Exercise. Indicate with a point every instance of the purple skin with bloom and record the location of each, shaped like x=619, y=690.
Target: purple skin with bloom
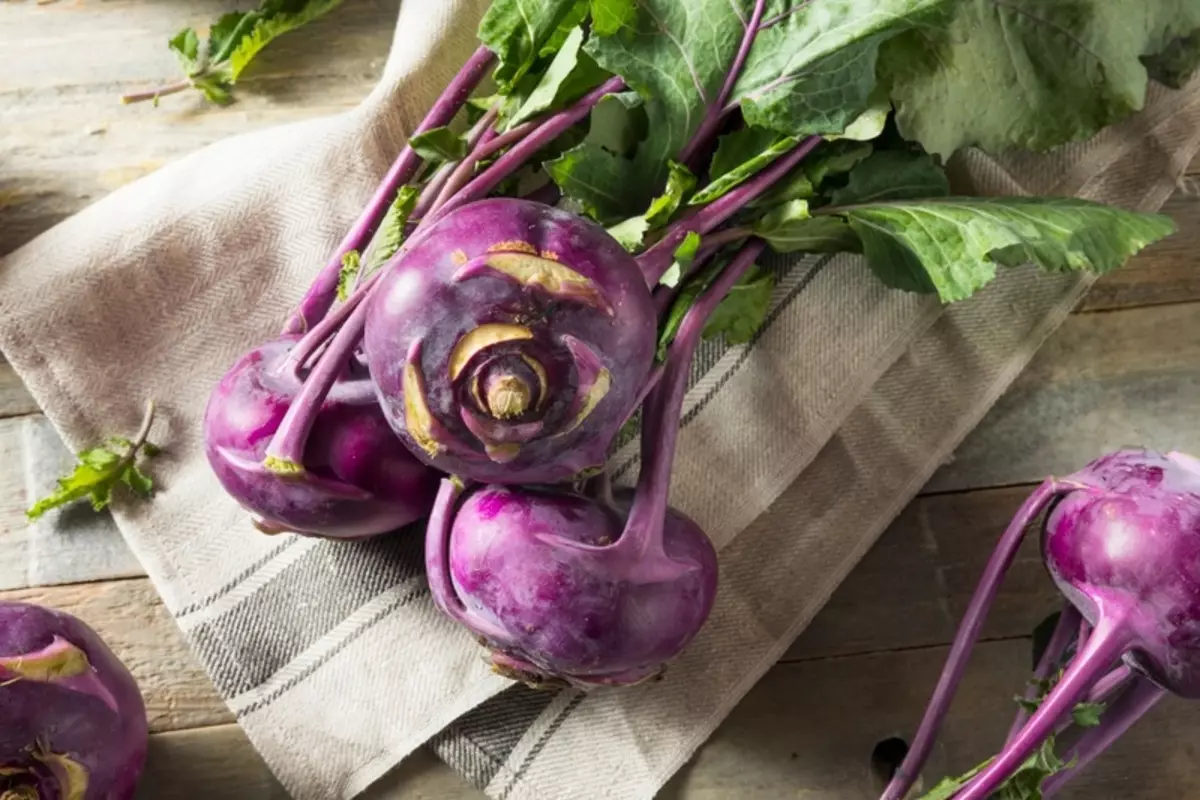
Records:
x=74, y=724
x=357, y=481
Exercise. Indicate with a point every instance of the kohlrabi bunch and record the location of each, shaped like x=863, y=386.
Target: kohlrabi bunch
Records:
x=74, y=724
x=534, y=273
x=1121, y=540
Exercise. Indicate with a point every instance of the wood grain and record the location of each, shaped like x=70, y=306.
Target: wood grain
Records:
x=129, y=616
x=1102, y=382
x=15, y=399
x=1165, y=272
x=67, y=142
x=805, y=730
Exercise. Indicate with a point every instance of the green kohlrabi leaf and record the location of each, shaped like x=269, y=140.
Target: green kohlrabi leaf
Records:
x=893, y=175
x=439, y=144
x=570, y=75
x=518, y=30
x=609, y=16
x=234, y=39
x=740, y=155
x=829, y=159
x=813, y=66
x=348, y=275
x=391, y=230
x=632, y=232
x=1177, y=61
x=593, y=176
x=100, y=469
x=952, y=246
x=684, y=255
x=186, y=47
x=789, y=228
x=1028, y=73
x=742, y=312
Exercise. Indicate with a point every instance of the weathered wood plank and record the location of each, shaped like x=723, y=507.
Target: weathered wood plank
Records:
x=913, y=586
x=67, y=545
x=806, y=730
x=1165, y=272
x=1103, y=381
x=67, y=140
x=14, y=397
x=129, y=616
x=206, y=762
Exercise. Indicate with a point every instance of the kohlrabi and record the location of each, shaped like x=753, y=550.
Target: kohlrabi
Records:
x=510, y=342
x=1121, y=540
x=356, y=479
x=585, y=590
x=72, y=721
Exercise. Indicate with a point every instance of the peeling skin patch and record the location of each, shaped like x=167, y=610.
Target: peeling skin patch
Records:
x=553, y=277
x=503, y=453
x=513, y=246
x=591, y=399
x=550, y=255
x=459, y=257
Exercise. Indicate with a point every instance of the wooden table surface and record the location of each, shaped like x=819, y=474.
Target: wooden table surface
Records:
x=1124, y=369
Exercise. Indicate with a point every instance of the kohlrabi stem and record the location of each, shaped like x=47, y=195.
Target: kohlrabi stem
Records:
x=546, y=194
x=321, y=294
x=437, y=561
x=664, y=295
x=516, y=157
x=1110, y=638
x=712, y=118
x=1085, y=630
x=154, y=94
x=481, y=132
x=316, y=336
x=1060, y=639
x=658, y=258
x=285, y=453
x=643, y=535
x=1110, y=683
x=968, y=631
x=1117, y=718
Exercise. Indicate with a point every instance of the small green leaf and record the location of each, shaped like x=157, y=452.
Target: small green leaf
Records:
x=216, y=90
x=684, y=254
x=680, y=181
x=893, y=175
x=1087, y=715
x=138, y=481
x=439, y=144
x=227, y=32
x=739, y=156
x=391, y=230
x=517, y=30
x=610, y=16
x=630, y=233
x=790, y=228
x=96, y=472
x=1174, y=66
x=279, y=17
x=186, y=46
x=742, y=312
x=150, y=450
x=571, y=75
x=348, y=275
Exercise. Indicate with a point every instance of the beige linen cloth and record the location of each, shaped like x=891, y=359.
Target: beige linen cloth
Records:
x=797, y=450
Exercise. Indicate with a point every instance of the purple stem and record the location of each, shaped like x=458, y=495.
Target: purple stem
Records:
x=1131, y=706
x=321, y=294
x=520, y=153
x=546, y=194
x=642, y=537
x=481, y=132
x=1060, y=639
x=1106, y=644
x=658, y=258
x=1110, y=683
x=712, y=117
x=437, y=562
x=328, y=326
x=1085, y=630
x=285, y=453
x=964, y=640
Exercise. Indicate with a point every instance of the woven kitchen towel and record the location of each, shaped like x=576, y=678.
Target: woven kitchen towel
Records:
x=332, y=654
